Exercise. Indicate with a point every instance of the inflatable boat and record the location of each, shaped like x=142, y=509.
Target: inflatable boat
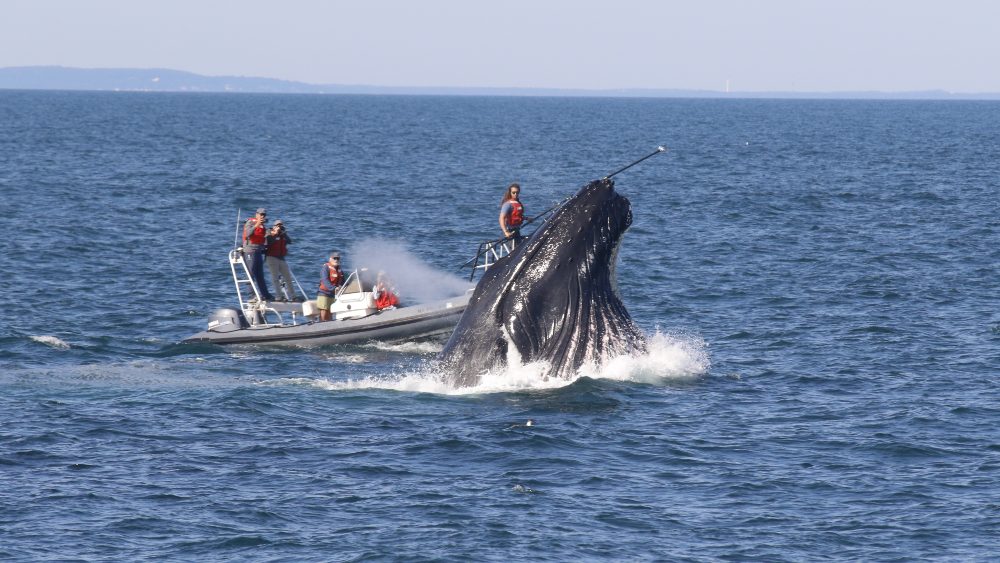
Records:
x=355, y=316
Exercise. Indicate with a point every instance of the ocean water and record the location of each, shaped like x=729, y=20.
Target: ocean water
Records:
x=818, y=280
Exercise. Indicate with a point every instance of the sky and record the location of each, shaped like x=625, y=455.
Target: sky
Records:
x=753, y=45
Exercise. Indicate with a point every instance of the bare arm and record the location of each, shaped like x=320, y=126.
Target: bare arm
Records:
x=503, y=220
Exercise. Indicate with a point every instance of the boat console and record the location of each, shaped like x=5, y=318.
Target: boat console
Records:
x=355, y=299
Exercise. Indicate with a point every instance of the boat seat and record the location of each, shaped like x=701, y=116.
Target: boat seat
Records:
x=309, y=308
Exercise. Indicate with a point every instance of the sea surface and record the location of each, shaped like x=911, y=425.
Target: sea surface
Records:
x=818, y=281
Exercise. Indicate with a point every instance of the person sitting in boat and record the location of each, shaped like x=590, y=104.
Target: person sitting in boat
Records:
x=254, y=242
x=277, y=248
x=512, y=213
x=331, y=277
x=385, y=294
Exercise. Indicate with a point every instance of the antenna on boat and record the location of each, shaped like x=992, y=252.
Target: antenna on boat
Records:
x=658, y=150
x=236, y=239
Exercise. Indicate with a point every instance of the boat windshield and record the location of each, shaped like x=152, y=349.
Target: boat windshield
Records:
x=358, y=281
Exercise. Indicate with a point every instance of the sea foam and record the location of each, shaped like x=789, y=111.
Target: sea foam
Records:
x=425, y=347
x=52, y=341
x=668, y=358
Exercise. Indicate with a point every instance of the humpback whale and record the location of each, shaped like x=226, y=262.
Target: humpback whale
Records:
x=553, y=298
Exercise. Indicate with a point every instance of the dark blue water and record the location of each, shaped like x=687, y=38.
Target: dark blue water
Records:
x=818, y=278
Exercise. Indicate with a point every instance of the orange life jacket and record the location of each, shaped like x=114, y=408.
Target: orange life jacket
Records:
x=257, y=236
x=516, y=213
x=278, y=247
x=335, y=277
x=386, y=299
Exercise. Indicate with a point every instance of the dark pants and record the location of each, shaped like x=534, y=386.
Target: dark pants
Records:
x=516, y=236
x=255, y=257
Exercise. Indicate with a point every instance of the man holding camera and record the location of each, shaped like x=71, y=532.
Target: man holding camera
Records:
x=254, y=241
x=277, y=248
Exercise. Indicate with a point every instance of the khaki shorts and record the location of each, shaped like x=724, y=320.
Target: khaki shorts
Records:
x=323, y=302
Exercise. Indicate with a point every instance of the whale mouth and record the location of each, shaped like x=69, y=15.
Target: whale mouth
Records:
x=615, y=218
x=613, y=268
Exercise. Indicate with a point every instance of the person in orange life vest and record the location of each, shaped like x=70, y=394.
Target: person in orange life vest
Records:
x=277, y=248
x=385, y=295
x=512, y=213
x=331, y=277
x=254, y=242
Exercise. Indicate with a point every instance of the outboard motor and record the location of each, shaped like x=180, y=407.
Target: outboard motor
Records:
x=226, y=320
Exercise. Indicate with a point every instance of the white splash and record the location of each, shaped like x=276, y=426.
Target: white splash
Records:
x=668, y=358
x=52, y=341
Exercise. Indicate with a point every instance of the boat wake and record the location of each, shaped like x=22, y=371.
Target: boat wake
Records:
x=669, y=358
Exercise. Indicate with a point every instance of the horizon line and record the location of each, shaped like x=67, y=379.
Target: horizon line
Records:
x=297, y=87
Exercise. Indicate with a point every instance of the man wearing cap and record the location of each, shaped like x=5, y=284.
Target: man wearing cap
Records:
x=254, y=241
x=330, y=278
x=277, y=248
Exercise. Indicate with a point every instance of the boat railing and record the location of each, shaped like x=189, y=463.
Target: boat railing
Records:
x=294, y=280
x=255, y=308
x=490, y=251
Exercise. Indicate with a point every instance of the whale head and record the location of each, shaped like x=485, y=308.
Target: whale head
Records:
x=554, y=299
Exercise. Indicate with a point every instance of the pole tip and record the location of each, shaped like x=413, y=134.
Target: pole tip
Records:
x=661, y=148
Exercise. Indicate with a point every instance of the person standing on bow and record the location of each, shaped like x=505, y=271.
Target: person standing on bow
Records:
x=254, y=242
x=512, y=213
x=331, y=277
x=277, y=248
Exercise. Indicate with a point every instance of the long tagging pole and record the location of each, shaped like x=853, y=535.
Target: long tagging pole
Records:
x=658, y=150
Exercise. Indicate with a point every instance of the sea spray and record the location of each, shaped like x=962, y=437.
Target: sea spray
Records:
x=668, y=358
x=415, y=280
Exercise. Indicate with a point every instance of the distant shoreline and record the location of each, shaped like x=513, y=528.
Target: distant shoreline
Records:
x=168, y=80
